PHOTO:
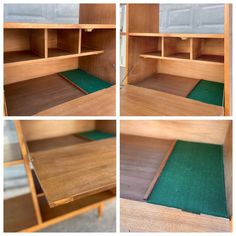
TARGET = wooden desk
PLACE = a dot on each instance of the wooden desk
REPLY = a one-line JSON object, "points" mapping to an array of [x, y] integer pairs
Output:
{"points": [[136, 101], [76, 171]]}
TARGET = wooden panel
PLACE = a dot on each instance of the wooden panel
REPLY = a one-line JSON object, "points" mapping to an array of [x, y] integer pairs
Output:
{"points": [[228, 168], [82, 173], [103, 65], [19, 56], [106, 126], [145, 217], [32, 96], [19, 213], [97, 14], [37, 42], [139, 160], [44, 129], [52, 143], [206, 71], [101, 103], [176, 85], [207, 131], [228, 58], [144, 18], [35, 69], [16, 40], [136, 101], [140, 68]]}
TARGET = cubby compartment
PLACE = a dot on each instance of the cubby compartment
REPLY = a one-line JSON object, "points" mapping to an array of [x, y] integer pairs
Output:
{"points": [[157, 53], [177, 47], [23, 44], [208, 49], [62, 42]]}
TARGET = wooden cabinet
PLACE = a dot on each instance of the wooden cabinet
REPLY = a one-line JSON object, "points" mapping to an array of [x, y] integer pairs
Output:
{"points": [[181, 58], [176, 176], [71, 169], [35, 55]]}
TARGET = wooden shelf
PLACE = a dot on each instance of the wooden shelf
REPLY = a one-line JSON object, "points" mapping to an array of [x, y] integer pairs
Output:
{"points": [[176, 85], [211, 58], [180, 55], [89, 51], [88, 168], [56, 52], [15, 25], [19, 213], [32, 96], [141, 157], [18, 56], [78, 205]]}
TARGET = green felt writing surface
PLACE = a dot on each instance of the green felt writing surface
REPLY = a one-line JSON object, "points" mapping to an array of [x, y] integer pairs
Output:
{"points": [[96, 135]]}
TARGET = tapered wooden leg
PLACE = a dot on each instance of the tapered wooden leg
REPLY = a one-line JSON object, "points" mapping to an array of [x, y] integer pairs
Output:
{"points": [[100, 210]]}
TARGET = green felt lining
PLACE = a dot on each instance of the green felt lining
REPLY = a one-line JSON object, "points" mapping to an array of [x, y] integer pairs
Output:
{"points": [[87, 82], [209, 92], [96, 135], [193, 180]]}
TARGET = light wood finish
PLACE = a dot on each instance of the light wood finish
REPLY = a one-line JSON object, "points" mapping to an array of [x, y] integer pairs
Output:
{"points": [[228, 168], [101, 103], [192, 69], [172, 84], [81, 174], [149, 22], [19, 72], [108, 126], [145, 217], [35, 130], [33, 96], [97, 14], [19, 213], [159, 171], [100, 39], [52, 143], [174, 35], [136, 101], [206, 131], [15, 25], [228, 58], [140, 157], [25, 155]]}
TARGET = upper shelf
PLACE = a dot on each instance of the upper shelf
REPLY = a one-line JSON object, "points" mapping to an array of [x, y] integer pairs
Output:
{"points": [[14, 25], [177, 35], [88, 168]]}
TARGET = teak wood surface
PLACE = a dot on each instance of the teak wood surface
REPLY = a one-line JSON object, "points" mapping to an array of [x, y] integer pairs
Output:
{"points": [[136, 101], [69, 173], [144, 217]]}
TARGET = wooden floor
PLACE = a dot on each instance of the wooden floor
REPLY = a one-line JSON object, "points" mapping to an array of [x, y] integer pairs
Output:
{"points": [[144, 217], [176, 85], [19, 213], [29, 97], [101, 103], [137, 101], [68, 173], [139, 161], [52, 143]]}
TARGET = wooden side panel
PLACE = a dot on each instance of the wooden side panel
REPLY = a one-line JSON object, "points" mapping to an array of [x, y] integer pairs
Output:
{"points": [[37, 42], [103, 65], [195, 70], [228, 168], [208, 131], [144, 18], [34, 69], [41, 129], [16, 40], [97, 14], [144, 217], [140, 68], [228, 58], [106, 126]]}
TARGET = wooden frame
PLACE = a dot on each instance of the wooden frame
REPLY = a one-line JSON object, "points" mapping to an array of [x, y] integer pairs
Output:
{"points": [[147, 144], [54, 48], [150, 53], [56, 134]]}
